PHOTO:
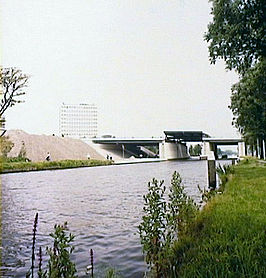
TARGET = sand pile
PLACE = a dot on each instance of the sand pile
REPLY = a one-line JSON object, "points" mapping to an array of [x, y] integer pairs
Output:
{"points": [[59, 148]]}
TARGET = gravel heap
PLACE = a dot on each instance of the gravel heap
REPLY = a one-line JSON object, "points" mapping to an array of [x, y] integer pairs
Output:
{"points": [[37, 147]]}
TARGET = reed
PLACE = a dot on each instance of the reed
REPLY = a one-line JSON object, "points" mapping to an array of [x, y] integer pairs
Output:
{"points": [[31, 271]]}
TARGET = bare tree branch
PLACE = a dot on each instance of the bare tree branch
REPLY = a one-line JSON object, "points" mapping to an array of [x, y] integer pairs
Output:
{"points": [[12, 81]]}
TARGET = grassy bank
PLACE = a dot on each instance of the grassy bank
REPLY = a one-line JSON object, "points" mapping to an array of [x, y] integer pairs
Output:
{"points": [[11, 167], [228, 237]]}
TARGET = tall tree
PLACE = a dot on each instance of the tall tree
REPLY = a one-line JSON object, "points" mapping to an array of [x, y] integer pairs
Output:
{"points": [[237, 33], [248, 102]]}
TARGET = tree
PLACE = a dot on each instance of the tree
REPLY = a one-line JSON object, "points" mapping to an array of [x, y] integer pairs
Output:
{"points": [[248, 101], [6, 146], [237, 33], [248, 104], [195, 150], [12, 82]]}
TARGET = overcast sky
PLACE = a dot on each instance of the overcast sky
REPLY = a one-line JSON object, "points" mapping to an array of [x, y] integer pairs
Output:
{"points": [[143, 63]]}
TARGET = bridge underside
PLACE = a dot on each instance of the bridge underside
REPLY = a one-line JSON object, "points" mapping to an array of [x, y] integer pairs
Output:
{"points": [[210, 146], [172, 147], [138, 151], [127, 150], [124, 149]]}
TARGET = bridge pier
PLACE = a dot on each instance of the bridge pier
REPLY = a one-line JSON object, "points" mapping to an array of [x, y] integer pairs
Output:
{"points": [[172, 150], [208, 150]]}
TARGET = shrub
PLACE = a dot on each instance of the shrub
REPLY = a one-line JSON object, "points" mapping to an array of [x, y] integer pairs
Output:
{"points": [[162, 221], [59, 263]]}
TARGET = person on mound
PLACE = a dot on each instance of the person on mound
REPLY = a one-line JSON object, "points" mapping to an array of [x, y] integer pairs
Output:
{"points": [[48, 157]]}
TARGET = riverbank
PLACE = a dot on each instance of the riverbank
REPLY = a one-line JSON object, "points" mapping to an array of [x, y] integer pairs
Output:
{"points": [[13, 167], [227, 239]]}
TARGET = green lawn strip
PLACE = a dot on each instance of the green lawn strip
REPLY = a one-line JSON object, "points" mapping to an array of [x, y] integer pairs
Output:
{"points": [[228, 237], [9, 167], [0, 219]]}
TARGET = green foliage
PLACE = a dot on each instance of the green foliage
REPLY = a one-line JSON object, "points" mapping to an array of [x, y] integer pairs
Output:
{"points": [[248, 103], [237, 33], [227, 238], [60, 264], [153, 226], [16, 159], [50, 165], [224, 171], [6, 146], [207, 195], [163, 221], [181, 208], [195, 150]]}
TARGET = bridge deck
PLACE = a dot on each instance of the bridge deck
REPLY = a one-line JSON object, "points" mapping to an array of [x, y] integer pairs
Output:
{"points": [[223, 141], [134, 141], [185, 136]]}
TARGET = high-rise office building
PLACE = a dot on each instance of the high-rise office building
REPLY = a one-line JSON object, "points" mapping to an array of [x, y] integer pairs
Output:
{"points": [[78, 120]]}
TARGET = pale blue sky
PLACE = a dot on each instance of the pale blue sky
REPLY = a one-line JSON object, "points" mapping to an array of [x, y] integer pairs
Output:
{"points": [[143, 62]]}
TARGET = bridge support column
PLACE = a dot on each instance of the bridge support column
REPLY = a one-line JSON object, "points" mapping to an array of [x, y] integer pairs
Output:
{"points": [[161, 150], [211, 173], [208, 150], [172, 150]]}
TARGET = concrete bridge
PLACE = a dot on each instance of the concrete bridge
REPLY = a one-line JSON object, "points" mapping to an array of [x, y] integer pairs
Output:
{"points": [[210, 146], [172, 146]]}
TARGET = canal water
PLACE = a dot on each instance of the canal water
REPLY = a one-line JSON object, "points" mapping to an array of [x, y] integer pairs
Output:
{"points": [[102, 205]]}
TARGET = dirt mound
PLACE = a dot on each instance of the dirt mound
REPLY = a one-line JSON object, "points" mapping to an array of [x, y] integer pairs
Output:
{"points": [[37, 147]]}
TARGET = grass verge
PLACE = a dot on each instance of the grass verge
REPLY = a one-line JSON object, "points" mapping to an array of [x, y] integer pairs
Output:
{"points": [[228, 237], [11, 167]]}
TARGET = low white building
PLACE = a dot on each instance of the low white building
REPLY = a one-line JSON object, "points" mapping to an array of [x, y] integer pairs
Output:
{"points": [[78, 120]]}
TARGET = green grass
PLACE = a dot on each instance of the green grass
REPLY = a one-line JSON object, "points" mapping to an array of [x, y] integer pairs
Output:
{"points": [[228, 238], [0, 223], [10, 167]]}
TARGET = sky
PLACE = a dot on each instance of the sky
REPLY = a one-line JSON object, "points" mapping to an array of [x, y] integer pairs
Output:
{"points": [[144, 63]]}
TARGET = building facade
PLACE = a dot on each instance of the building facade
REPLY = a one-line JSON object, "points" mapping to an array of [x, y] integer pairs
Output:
{"points": [[78, 120]]}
